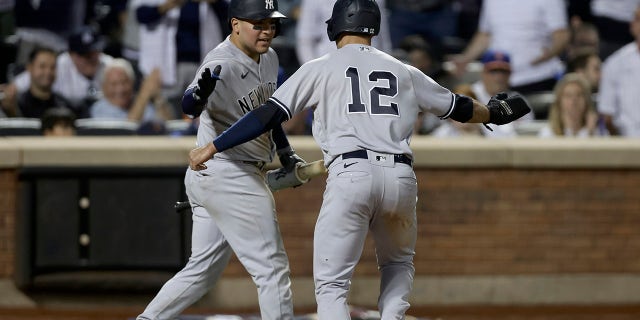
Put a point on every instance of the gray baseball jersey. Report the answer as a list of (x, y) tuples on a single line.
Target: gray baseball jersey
[(384, 97), (366, 103), (244, 85), (233, 208)]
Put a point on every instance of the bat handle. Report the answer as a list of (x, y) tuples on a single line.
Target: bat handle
[(181, 205)]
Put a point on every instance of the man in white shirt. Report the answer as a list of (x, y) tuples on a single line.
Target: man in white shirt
[(612, 18), (533, 33), (619, 95)]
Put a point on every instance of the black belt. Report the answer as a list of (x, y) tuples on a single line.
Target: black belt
[(362, 154)]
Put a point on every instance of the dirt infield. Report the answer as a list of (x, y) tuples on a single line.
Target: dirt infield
[(434, 313)]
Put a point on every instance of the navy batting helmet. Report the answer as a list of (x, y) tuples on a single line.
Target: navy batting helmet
[(354, 16), (254, 9)]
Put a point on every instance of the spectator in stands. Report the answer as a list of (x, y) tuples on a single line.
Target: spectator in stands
[(419, 53), (311, 32), (468, 16), (120, 100), (7, 29), (612, 18), (48, 23), (533, 33), (131, 37), (588, 64), (175, 35), (58, 122), (579, 11), (619, 95), (40, 96), (572, 114), (434, 20), (584, 37), (285, 43), (8, 96), (111, 17), (494, 79), (78, 72), (6, 18)]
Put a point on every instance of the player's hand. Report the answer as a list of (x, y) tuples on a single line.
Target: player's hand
[(206, 84), (505, 108), (289, 158), (198, 156)]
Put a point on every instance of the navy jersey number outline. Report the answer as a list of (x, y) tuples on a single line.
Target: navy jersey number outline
[(356, 106)]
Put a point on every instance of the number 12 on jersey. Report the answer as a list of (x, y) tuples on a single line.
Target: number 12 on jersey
[(356, 106)]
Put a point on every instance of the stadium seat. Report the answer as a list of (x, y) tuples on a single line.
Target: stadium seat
[(105, 127), (540, 103), (20, 127), (177, 125), (529, 128)]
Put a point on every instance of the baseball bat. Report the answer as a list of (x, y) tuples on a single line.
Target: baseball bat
[(281, 179), (309, 170)]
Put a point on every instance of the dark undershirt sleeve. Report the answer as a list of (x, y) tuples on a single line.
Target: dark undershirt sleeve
[(251, 125)]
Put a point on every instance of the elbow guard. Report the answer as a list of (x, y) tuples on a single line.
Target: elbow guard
[(463, 109), (191, 105)]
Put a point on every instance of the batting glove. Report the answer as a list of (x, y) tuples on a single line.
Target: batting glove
[(206, 84), (504, 108), (289, 158)]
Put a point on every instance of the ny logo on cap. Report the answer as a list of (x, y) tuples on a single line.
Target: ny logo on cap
[(268, 4)]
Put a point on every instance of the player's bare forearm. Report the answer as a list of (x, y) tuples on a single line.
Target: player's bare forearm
[(198, 156), (480, 113)]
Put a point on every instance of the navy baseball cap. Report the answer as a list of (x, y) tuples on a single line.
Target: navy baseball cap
[(86, 40), (496, 60)]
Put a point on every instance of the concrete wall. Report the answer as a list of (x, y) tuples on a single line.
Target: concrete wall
[(522, 221)]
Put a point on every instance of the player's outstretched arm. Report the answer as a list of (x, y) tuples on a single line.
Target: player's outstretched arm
[(501, 109), (249, 127)]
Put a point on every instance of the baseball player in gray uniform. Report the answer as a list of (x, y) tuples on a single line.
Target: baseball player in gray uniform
[(365, 104), (233, 209)]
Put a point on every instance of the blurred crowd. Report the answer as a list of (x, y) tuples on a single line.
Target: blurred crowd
[(121, 66)]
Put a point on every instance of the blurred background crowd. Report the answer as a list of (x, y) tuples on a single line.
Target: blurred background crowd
[(114, 67)]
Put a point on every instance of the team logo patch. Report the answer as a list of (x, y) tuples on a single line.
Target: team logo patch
[(268, 4)]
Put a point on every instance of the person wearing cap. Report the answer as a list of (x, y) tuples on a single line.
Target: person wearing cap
[(232, 208), (174, 36), (79, 69)]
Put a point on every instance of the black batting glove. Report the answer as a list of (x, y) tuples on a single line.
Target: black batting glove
[(289, 158), (505, 108), (206, 84)]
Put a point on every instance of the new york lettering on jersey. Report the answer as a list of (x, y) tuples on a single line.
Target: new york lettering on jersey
[(257, 96)]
